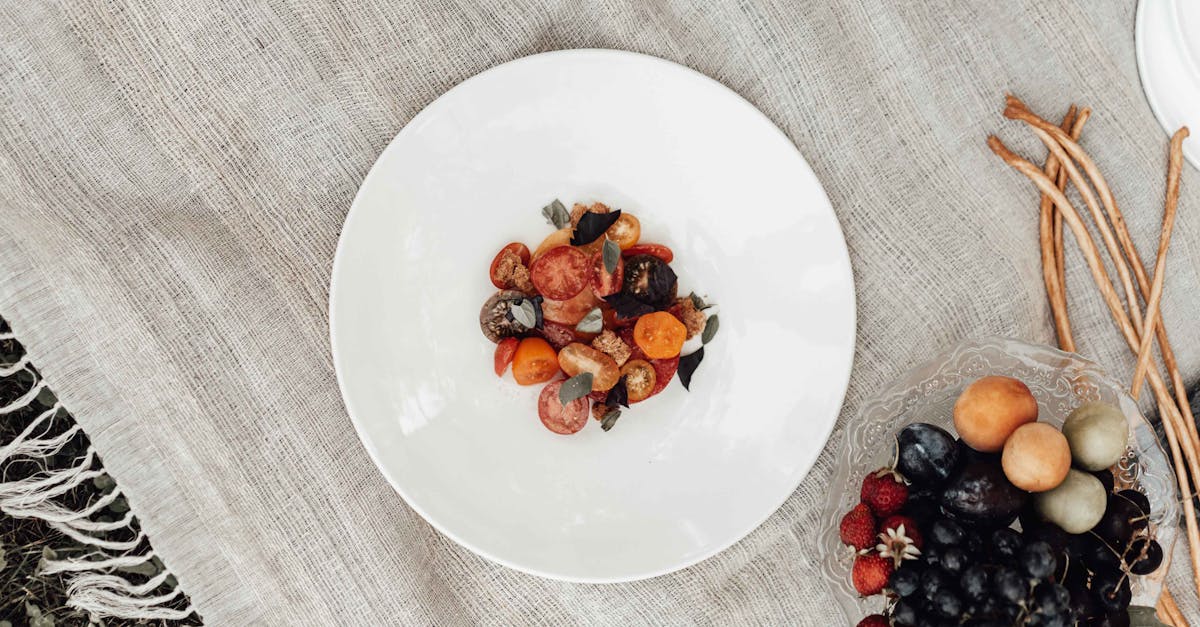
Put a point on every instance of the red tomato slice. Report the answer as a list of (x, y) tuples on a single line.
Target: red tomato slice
[(504, 354), (655, 250), (603, 283), (570, 312), (664, 370), (559, 335), (561, 273), (516, 248), (626, 335), (559, 418)]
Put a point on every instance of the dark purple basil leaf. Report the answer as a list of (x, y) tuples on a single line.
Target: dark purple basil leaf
[(593, 225), (627, 307), (687, 366), (618, 395), (663, 285)]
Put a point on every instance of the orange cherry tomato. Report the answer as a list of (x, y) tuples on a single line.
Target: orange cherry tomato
[(561, 237), (518, 249), (570, 312), (604, 283), (561, 273), (654, 250), (504, 354), (576, 358), (559, 418), (625, 231), (660, 335), (640, 379), (534, 361)]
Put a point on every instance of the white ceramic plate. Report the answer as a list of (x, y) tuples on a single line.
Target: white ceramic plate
[(681, 476), (1168, 54)]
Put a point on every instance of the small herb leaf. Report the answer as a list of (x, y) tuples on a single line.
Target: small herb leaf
[(610, 419), (592, 225), (524, 312), (593, 322), (575, 388), (556, 214), (698, 302), (1141, 616), (687, 366), (612, 254), (618, 395), (710, 329)]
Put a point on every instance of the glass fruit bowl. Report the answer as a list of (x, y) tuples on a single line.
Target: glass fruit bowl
[(1059, 381)]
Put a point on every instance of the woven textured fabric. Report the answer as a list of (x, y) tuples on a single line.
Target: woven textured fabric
[(173, 179)]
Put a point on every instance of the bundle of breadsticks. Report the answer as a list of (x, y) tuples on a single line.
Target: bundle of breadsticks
[(1135, 308)]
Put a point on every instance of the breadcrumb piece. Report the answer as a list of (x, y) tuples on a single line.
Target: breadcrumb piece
[(692, 318), (579, 209), (611, 345)]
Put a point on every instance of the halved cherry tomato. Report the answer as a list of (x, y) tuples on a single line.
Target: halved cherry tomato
[(660, 335), (576, 358), (570, 312), (604, 283), (559, 418), (654, 250), (561, 273), (516, 248), (640, 379), (504, 354), (664, 370), (534, 361), (625, 231), (559, 335), (561, 237)]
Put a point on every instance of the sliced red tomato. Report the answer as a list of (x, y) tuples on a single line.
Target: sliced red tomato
[(605, 283), (626, 335), (518, 249), (559, 418), (654, 250), (559, 335), (570, 312), (561, 273), (504, 354), (664, 370)]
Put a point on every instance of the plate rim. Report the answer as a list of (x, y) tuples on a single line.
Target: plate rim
[(373, 454)]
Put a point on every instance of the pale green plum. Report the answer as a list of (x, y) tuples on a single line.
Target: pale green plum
[(1076, 505), (1097, 434)]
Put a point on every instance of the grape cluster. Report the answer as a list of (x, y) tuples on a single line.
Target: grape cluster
[(969, 574)]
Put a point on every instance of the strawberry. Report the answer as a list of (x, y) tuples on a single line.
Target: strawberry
[(857, 528), (884, 491), (870, 573), (874, 620), (910, 529)]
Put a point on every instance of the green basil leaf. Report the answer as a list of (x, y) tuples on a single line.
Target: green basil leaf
[(593, 322), (1141, 616), (523, 312), (612, 254), (698, 302), (575, 388), (556, 214), (610, 419), (710, 329)]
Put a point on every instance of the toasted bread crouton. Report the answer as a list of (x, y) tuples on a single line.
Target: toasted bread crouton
[(611, 345), (692, 318), (513, 273), (579, 209)]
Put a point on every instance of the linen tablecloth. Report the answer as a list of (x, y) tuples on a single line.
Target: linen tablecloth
[(173, 177)]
